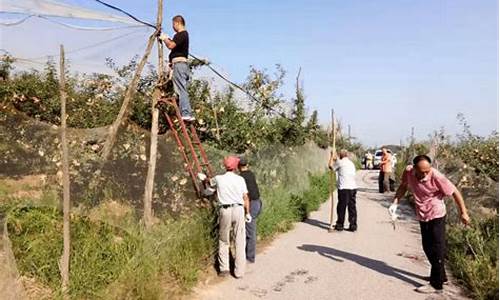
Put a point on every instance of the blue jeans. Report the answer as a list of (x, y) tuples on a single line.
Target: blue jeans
[(251, 229), (181, 76)]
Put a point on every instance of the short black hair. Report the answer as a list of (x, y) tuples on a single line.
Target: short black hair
[(420, 158), (180, 19)]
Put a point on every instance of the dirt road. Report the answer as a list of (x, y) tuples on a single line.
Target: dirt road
[(376, 262)]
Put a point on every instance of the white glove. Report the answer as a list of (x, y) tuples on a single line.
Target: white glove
[(392, 211), (202, 177), (248, 218), (163, 37)]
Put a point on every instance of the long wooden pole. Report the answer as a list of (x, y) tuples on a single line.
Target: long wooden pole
[(131, 89), (153, 149), (332, 173), (65, 170)]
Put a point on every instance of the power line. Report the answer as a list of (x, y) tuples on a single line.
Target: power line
[(252, 97), (126, 13)]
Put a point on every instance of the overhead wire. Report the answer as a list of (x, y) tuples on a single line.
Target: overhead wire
[(126, 13)]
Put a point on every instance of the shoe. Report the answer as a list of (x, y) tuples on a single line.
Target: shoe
[(223, 274), (352, 228), (188, 118), (250, 261), (339, 228), (428, 289), (428, 278)]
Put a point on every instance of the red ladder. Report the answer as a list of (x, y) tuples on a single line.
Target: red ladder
[(194, 162)]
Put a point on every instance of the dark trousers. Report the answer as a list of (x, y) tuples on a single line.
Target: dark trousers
[(251, 229), (347, 199), (434, 244)]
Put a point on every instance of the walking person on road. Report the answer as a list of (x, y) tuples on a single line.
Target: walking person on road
[(234, 210), (429, 188), (346, 189), (385, 171), (255, 209), (178, 58)]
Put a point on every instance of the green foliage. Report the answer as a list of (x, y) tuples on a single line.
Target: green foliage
[(473, 257), (98, 251), (282, 208)]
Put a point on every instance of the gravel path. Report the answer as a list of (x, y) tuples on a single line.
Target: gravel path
[(376, 262)]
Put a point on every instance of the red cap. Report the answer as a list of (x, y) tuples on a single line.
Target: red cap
[(231, 163)]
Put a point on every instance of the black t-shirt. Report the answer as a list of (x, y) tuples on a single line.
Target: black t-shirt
[(252, 187), (181, 40)]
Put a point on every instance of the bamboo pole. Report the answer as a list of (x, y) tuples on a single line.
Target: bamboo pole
[(65, 170), (332, 172), (131, 89), (153, 149)]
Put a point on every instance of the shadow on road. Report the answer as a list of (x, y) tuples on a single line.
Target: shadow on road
[(375, 265), (367, 190), (317, 223)]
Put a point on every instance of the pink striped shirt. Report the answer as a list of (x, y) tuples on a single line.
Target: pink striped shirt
[(429, 193)]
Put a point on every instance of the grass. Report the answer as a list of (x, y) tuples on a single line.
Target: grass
[(282, 208), (473, 257), (99, 250), (108, 262)]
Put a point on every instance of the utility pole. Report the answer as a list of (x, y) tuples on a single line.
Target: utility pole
[(153, 149)]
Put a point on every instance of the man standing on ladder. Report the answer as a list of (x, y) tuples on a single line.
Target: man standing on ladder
[(178, 58)]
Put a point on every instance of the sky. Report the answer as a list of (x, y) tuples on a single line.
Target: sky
[(384, 66)]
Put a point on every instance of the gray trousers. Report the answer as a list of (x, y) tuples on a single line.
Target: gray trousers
[(232, 217), (181, 76), (251, 229)]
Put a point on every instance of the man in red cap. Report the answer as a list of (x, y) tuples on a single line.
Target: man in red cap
[(234, 210)]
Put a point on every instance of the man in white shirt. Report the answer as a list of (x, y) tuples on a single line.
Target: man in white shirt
[(346, 189), (234, 210)]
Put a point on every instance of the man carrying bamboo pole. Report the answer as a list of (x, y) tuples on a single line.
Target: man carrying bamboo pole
[(178, 58), (346, 189)]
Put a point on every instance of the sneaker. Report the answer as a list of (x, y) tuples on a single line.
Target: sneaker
[(339, 228), (223, 273), (188, 118), (428, 289)]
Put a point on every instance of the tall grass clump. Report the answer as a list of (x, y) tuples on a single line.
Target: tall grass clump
[(282, 207)]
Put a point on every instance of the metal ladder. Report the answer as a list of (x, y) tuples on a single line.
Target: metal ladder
[(188, 142)]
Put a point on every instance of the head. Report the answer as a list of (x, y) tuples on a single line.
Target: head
[(343, 153), (243, 164), (422, 165), (178, 23)]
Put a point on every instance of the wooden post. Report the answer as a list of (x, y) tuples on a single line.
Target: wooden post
[(65, 170), (123, 113), (153, 149), (332, 173)]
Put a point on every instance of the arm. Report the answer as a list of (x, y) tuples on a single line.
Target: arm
[(459, 200), (333, 159), (246, 203), (168, 41), (402, 189)]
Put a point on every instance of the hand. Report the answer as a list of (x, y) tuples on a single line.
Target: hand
[(465, 219), (163, 37), (393, 209), (202, 177), (248, 218)]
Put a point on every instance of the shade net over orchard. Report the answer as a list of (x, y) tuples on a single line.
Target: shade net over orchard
[(103, 48)]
